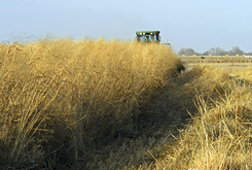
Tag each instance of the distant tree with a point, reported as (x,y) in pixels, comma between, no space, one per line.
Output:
(250,53)
(212,51)
(235,50)
(220,51)
(215,51)
(186,51)
(206,53)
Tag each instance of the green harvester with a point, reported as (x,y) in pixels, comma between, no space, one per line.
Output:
(149,37)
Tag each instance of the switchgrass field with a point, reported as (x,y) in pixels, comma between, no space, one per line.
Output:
(119,105)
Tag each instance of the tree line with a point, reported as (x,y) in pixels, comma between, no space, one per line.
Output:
(214,51)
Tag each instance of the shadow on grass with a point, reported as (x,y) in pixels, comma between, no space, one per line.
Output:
(141,138)
(108,141)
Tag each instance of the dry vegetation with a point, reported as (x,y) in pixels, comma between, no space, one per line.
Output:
(218,135)
(118,105)
(216,59)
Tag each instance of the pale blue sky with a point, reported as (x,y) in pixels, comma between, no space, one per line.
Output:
(198,24)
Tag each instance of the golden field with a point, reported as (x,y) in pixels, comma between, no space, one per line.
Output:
(119,105)
(229,64)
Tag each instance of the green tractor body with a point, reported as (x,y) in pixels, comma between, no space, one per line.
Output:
(148,36)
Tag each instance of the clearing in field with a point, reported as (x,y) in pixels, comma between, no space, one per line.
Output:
(119,105)
(229,64)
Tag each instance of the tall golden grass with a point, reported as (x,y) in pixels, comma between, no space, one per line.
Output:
(117,105)
(62,101)
(218,135)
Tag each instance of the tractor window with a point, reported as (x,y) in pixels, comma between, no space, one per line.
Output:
(142,38)
(151,38)
(154,38)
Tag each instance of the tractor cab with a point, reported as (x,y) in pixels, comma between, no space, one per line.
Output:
(148,36)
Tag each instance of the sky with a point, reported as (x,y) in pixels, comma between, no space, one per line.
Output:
(196,24)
